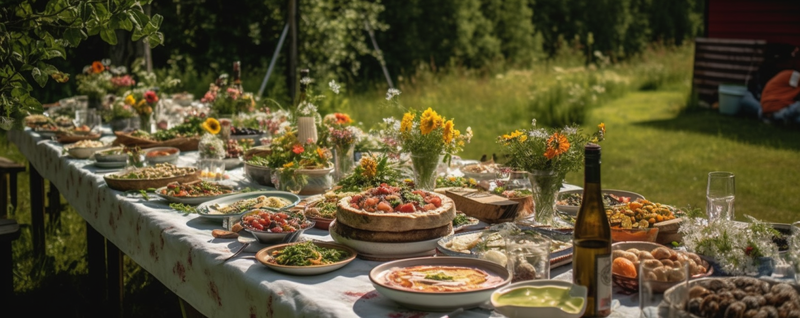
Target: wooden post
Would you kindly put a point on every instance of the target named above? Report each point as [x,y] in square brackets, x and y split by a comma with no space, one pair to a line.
[37,210]
[291,69]
[116,285]
[97,269]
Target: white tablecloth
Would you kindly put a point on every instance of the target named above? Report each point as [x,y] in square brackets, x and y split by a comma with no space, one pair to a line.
[179,251]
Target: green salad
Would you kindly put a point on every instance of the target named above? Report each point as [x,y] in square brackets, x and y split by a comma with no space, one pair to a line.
[307,254]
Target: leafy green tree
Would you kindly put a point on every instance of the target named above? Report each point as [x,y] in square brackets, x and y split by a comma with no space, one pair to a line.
[31,33]
[512,22]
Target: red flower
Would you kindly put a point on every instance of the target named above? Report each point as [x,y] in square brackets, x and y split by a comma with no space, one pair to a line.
[748,250]
[298,149]
[150,97]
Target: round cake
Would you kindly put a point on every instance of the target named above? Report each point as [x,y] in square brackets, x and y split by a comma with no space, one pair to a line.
[392,209]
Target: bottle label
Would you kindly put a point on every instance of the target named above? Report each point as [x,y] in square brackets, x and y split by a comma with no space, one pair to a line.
[603,263]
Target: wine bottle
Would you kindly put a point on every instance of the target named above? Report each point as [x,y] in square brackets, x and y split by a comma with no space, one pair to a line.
[237,77]
[591,258]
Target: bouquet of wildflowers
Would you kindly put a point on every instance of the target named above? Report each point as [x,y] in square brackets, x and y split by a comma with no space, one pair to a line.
[226,100]
[341,134]
[738,248]
[558,150]
[289,153]
[372,171]
[428,133]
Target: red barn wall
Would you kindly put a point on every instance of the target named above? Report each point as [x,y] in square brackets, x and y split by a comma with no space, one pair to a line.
[770,20]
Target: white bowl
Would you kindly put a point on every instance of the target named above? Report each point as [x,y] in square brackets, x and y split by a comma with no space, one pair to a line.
[258,174]
[439,301]
[111,155]
[172,157]
[513,311]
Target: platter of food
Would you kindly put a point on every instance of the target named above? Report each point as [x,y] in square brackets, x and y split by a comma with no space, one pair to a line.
[306,258]
[541,298]
[484,171]
[162,155]
[439,283]
[195,192]
[758,297]
[491,244]
[154,177]
[84,149]
[626,257]
[237,204]
[132,139]
[463,222]
[323,210]
[271,226]
[569,201]
[645,214]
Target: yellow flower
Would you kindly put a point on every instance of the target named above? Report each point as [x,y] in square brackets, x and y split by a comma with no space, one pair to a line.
[602,127]
[448,132]
[429,121]
[514,135]
[212,126]
[370,167]
[321,153]
[288,165]
[130,100]
[557,144]
[407,122]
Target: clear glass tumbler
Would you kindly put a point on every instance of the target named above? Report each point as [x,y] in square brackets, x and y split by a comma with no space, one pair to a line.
[654,279]
[528,258]
[720,195]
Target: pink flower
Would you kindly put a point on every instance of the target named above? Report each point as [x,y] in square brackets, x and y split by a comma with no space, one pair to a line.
[233,93]
[298,149]
[123,81]
[150,97]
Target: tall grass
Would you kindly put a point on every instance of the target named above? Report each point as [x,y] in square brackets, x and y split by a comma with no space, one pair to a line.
[555,93]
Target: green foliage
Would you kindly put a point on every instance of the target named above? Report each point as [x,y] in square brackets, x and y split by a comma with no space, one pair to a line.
[32,33]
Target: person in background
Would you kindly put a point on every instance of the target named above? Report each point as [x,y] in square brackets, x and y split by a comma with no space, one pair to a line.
[779,100]
[778,57]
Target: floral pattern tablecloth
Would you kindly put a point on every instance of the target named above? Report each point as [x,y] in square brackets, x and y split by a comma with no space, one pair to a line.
[179,251]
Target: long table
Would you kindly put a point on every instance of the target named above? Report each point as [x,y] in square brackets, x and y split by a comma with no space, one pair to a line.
[180,252]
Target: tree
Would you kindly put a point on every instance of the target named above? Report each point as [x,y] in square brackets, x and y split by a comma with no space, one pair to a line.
[32,33]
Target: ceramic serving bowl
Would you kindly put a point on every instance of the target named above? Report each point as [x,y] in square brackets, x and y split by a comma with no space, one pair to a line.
[634,234]
[441,300]
[562,299]
[258,174]
[111,155]
[162,155]
[84,152]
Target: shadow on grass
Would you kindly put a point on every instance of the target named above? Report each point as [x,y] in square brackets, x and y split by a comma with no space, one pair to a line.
[741,129]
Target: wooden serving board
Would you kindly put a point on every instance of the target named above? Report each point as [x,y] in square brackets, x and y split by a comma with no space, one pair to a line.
[484,206]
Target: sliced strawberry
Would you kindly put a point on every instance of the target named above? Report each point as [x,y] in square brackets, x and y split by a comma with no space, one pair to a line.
[406,208]
[437,201]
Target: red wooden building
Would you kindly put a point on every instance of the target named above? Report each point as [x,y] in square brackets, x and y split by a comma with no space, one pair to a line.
[740,36]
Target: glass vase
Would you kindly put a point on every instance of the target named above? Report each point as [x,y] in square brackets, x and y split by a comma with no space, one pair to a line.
[145,124]
[344,161]
[425,170]
[545,185]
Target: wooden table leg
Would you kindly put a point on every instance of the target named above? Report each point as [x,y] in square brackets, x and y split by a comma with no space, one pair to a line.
[37,210]
[97,269]
[54,205]
[115,280]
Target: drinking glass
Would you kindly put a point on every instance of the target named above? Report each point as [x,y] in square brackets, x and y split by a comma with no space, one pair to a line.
[720,196]
[654,281]
[528,257]
[211,169]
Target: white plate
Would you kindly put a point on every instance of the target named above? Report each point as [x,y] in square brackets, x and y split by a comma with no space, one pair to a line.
[439,301]
[385,250]
[205,210]
[191,200]
[474,224]
[263,255]
[110,164]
